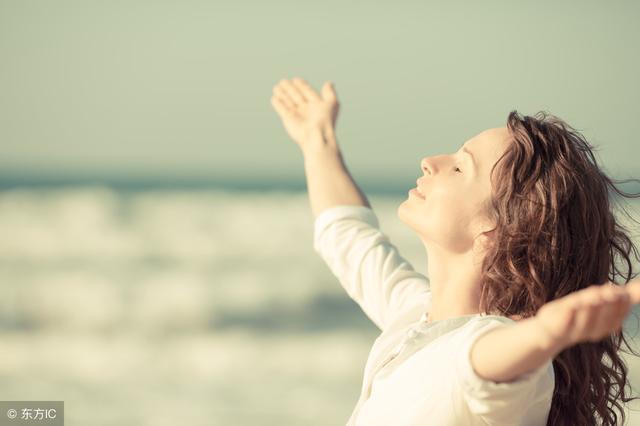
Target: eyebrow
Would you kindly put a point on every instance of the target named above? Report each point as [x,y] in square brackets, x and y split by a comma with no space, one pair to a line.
[473,160]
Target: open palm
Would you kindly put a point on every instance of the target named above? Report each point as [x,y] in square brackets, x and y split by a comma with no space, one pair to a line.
[589,314]
[305,113]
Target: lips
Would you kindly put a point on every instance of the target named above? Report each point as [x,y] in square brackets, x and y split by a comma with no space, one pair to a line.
[417,193]
[418,188]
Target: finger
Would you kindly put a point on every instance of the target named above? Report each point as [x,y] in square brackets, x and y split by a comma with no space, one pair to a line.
[633,288]
[306,89]
[623,300]
[623,307]
[329,92]
[279,105]
[284,96]
[589,303]
[293,92]
[610,318]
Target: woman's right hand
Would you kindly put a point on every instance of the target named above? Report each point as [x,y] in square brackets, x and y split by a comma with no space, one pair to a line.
[305,113]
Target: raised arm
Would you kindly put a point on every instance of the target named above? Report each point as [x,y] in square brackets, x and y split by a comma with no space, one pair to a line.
[346,230]
[309,118]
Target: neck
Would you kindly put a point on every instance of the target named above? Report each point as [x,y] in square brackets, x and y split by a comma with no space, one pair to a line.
[455,284]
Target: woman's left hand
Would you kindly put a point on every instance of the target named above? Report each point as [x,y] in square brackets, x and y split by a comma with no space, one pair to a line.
[589,314]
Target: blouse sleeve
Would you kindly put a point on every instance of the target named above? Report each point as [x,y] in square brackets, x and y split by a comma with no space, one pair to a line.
[500,403]
[371,270]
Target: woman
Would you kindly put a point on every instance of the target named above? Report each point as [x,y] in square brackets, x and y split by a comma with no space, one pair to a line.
[520,320]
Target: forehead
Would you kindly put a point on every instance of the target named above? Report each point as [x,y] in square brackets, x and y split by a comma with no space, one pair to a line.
[488,145]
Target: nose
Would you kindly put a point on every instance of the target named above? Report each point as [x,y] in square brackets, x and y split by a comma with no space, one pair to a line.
[427,165]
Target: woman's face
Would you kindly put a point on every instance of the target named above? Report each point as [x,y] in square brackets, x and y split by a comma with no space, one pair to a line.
[455,188]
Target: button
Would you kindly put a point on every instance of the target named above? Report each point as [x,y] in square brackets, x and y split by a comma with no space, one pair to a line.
[412,333]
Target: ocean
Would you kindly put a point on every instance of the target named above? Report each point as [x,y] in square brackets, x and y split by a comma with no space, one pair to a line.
[199,306]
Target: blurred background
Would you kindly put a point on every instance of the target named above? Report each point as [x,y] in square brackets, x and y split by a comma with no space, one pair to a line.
[156,259]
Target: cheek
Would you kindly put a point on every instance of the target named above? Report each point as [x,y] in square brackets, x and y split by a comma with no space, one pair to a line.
[446,213]
[444,218]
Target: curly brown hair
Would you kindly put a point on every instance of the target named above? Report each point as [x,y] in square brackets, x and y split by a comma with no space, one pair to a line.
[556,233]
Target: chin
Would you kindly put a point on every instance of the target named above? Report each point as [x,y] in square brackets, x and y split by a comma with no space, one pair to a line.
[400,211]
[406,215]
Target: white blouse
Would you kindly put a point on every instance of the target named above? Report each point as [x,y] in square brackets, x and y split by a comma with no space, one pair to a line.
[418,372]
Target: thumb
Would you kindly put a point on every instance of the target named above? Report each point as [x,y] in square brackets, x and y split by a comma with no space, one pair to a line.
[329,92]
[633,288]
